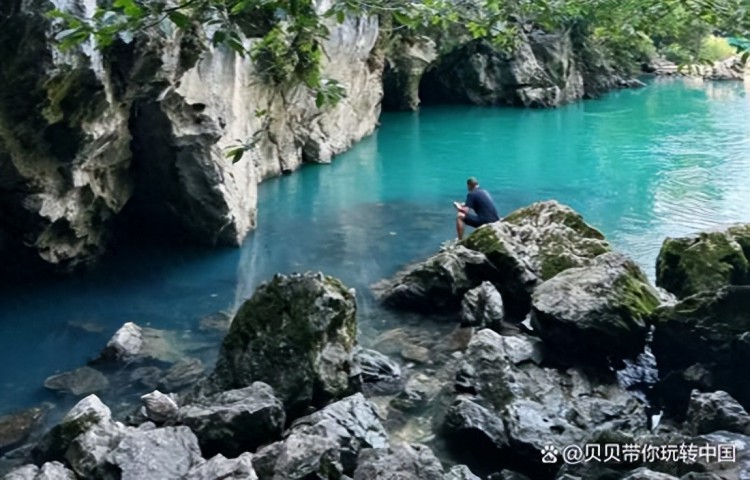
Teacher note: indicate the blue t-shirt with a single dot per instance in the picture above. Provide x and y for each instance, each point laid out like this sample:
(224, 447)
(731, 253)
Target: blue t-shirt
(481, 202)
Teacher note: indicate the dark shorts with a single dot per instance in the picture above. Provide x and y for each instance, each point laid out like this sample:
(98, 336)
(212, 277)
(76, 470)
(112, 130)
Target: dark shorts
(472, 220)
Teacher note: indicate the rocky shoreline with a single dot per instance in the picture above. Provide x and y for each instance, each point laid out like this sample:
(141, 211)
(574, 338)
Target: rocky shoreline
(540, 318)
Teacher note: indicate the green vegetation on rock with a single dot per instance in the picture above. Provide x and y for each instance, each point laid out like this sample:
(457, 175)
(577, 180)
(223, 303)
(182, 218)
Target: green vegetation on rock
(705, 262)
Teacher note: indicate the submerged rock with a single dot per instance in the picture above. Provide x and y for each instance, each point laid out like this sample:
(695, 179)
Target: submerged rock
(183, 374)
(705, 333)
(16, 427)
(403, 462)
(482, 307)
(597, 312)
(707, 261)
(80, 381)
(711, 412)
(132, 343)
(236, 421)
(296, 334)
(222, 468)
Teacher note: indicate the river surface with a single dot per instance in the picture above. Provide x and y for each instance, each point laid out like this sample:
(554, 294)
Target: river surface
(640, 165)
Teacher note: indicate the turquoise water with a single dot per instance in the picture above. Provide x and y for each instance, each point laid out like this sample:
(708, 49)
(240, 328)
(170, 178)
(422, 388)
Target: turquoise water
(640, 165)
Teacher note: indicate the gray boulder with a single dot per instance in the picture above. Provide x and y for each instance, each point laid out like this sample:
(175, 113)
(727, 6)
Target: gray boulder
(598, 312)
(163, 453)
(159, 408)
(299, 457)
(710, 412)
(236, 421)
(532, 245)
(709, 329)
(296, 334)
(706, 261)
(437, 284)
(467, 423)
(401, 462)
(183, 374)
(482, 307)
(81, 381)
(222, 468)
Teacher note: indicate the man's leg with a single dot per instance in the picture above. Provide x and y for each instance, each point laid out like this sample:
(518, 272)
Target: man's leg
(460, 225)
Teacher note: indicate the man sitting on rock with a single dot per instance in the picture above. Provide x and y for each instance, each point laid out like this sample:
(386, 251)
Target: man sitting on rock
(478, 200)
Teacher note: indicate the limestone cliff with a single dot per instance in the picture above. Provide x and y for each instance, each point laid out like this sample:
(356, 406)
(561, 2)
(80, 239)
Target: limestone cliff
(146, 124)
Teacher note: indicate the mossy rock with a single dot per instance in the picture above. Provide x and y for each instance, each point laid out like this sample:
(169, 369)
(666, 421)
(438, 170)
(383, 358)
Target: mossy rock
(705, 262)
(596, 313)
(532, 245)
(296, 333)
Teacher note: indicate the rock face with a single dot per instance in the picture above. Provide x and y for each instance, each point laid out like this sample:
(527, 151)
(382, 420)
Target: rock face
(406, 60)
(221, 468)
(705, 262)
(69, 121)
(597, 312)
(297, 334)
(729, 69)
(48, 471)
(511, 407)
(236, 421)
(705, 333)
(529, 246)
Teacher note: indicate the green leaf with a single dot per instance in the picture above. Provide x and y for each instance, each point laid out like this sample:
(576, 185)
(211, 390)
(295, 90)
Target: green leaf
(744, 57)
(340, 16)
(180, 19)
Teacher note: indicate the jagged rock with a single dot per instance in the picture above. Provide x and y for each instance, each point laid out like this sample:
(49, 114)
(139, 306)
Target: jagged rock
(541, 72)
(221, 468)
(710, 412)
(467, 423)
(460, 472)
(406, 60)
(159, 408)
(437, 284)
(299, 457)
(482, 307)
(538, 406)
(82, 439)
(296, 334)
(401, 462)
(710, 330)
(352, 422)
(236, 421)
(646, 474)
(132, 343)
(48, 471)
(379, 373)
(164, 453)
(80, 381)
(595, 312)
(705, 262)
(533, 244)
(16, 427)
